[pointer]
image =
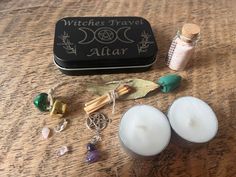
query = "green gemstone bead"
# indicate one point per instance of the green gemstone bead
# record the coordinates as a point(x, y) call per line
point(169, 82)
point(41, 102)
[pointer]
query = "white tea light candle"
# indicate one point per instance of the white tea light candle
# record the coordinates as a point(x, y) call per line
point(144, 130)
point(193, 119)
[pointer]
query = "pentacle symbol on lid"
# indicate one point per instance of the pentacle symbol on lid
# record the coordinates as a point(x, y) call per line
point(105, 35)
point(97, 121)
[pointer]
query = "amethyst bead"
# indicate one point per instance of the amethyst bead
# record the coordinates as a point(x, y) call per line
point(91, 147)
point(92, 156)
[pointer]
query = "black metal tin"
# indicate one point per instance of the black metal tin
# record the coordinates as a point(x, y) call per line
point(83, 44)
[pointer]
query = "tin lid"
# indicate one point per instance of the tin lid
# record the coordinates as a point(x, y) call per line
point(98, 42)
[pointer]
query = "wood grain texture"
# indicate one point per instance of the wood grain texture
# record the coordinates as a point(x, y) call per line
point(26, 68)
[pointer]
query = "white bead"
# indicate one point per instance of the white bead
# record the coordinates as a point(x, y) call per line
point(45, 132)
point(62, 151)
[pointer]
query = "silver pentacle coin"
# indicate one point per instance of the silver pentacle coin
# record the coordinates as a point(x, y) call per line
point(97, 121)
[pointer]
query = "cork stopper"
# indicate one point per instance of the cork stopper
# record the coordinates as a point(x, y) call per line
point(190, 30)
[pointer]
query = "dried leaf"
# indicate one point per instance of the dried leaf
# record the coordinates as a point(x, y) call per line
point(141, 87)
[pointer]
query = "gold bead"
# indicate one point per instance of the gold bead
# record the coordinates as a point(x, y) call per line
point(58, 109)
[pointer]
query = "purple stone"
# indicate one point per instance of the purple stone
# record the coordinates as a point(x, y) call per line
point(92, 156)
point(91, 147)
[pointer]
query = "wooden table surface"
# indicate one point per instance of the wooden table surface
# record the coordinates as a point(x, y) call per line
point(26, 69)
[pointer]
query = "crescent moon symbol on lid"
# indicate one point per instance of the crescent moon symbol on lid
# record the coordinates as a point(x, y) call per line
point(123, 36)
point(89, 35)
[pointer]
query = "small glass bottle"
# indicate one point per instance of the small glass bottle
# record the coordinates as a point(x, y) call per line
point(182, 47)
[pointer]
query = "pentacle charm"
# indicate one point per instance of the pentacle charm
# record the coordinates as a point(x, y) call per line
point(97, 121)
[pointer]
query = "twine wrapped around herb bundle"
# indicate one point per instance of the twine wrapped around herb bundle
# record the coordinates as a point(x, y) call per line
point(105, 99)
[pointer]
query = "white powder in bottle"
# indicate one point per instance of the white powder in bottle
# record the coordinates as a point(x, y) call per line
point(182, 47)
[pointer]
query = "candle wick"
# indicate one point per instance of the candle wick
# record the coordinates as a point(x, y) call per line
point(191, 122)
point(144, 128)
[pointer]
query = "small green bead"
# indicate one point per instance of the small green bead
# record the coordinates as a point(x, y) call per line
point(41, 102)
point(169, 82)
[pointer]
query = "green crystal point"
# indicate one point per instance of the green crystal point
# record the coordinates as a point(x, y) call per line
point(41, 102)
point(169, 82)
